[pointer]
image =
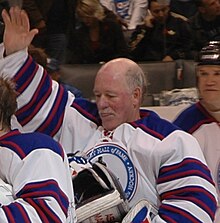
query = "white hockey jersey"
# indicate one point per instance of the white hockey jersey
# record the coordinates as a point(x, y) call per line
point(197, 121)
point(37, 169)
point(151, 157)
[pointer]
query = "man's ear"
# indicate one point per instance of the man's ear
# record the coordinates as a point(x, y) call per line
point(137, 96)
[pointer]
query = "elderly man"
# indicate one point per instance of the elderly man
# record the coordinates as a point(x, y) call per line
point(202, 119)
point(152, 159)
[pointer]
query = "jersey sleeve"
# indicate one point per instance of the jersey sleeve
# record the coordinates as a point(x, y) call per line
point(41, 101)
point(44, 105)
point(138, 13)
point(176, 167)
point(41, 187)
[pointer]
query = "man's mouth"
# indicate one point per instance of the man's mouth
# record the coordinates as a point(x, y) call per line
point(105, 115)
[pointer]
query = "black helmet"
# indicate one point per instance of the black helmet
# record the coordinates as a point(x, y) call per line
point(210, 54)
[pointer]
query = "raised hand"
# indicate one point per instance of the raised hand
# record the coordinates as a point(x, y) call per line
point(17, 34)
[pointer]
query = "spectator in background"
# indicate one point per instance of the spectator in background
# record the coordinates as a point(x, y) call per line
point(99, 38)
point(53, 19)
point(205, 24)
point(130, 13)
point(202, 119)
point(186, 8)
point(162, 37)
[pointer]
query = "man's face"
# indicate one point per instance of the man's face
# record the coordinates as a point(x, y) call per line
point(159, 11)
point(114, 99)
point(209, 84)
point(211, 7)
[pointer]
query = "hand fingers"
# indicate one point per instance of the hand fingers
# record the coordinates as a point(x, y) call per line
point(33, 32)
point(6, 17)
point(17, 12)
point(26, 25)
point(15, 15)
point(12, 14)
point(25, 20)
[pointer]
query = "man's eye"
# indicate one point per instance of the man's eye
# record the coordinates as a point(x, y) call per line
point(97, 95)
point(203, 74)
point(111, 96)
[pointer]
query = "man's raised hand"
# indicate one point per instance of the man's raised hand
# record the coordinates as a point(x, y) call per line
point(17, 34)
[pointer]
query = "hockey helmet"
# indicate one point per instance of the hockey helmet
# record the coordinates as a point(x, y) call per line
point(210, 54)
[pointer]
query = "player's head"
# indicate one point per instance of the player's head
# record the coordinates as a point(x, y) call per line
point(210, 54)
point(119, 88)
point(8, 104)
point(208, 74)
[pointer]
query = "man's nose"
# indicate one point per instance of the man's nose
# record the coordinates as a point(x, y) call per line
point(210, 79)
point(103, 102)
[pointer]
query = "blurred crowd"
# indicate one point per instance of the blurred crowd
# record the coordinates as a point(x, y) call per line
point(96, 31)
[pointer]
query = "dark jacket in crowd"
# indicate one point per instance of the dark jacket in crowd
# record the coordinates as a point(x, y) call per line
point(50, 10)
point(170, 39)
point(111, 44)
point(203, 31)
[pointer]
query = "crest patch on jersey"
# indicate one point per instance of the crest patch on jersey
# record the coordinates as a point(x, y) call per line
point(116, 158)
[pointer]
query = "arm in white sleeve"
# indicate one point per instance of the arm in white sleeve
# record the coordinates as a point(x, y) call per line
point(138, 13)
point(177, 169)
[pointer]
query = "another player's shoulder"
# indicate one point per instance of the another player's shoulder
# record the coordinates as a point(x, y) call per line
point(34, 138)
point(193, 117)
point(25, 143)
point(154, 125)
point(44, 141)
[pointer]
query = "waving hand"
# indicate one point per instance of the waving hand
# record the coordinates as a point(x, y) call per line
point(17, 34)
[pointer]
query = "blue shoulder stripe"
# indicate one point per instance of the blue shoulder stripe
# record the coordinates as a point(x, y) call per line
point(152, 124)
point(24, 144)
point(193, 117)
point(87, 109)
